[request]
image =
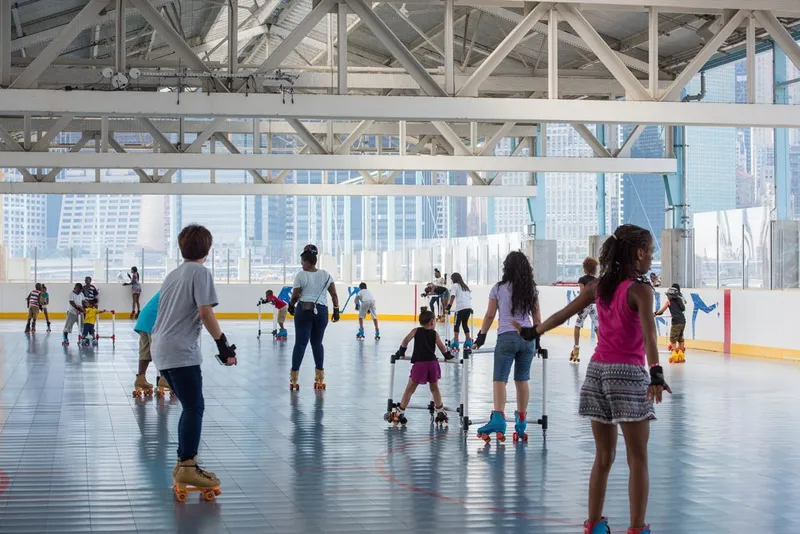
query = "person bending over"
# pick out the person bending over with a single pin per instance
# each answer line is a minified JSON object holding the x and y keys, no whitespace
{"x":365,"y":304}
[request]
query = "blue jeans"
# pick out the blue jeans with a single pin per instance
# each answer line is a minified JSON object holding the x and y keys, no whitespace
{"x":309,"y":326}
{"x":187,"y":384}
{"x":512,"y":349}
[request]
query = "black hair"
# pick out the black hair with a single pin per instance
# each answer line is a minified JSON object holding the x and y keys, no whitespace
{"x":456,"y":278}
{"x":88,"y":278}
{"x":518,"y":272}
{"x":38,"y":287}
{"x":78,"y":286}
{"x":677,"y":286}
{"x":618,"y":259}
{"x":309,"y":254}
{"x":425,"y":317}
{"x":134,"y":269}
{"x":269,"y":293}
{"x":362,"y":285}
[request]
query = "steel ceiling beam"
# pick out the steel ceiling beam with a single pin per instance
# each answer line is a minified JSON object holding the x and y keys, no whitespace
{"x":39,"y":102}
{"x":780,"y":35}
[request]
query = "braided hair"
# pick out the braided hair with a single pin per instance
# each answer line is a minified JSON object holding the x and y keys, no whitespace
{"x":618,"y":258}
{"x":524,"y":295}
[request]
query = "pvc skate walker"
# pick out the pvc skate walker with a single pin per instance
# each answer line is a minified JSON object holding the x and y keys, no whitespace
{"x":395,"y":416}
{"x":97,"y":337}
{"x":497,"y":420}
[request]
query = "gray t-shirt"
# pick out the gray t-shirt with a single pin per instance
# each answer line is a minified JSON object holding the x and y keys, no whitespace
{"x":176,"y":334}
{"x":313,"y":285}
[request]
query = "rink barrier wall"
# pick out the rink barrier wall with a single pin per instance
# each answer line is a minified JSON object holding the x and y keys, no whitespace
{"x":734,"y":321}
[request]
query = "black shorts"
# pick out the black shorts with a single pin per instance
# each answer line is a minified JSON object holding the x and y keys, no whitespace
{"x":462,"y":320}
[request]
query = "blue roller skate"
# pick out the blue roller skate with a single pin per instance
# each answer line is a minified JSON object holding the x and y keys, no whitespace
{"x":283,"y":335}
{"x":496,"y":424}
{"x":94,"y":342}
{"x":65,"y":340}
{"x":360,"y":333}
{"x":454,"y":347}
{"x":377,"y":335}
{"x":468,"y":346}
{"x":597,"y":527}
{"x":520,"y":424}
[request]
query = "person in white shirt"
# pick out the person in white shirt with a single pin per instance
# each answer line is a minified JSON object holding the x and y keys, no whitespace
{"x":461,"y":297}
{"x":74,"y":311}
{"x":365,"y":304}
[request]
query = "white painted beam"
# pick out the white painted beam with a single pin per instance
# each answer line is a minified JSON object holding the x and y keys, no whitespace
{"x":411,"y":108}
{"x":341,"y":48}
{"x":307,"y":137}
{"x":675,"y":6}
{"x":356,"y":134}
{"x":587,"y":135}
{"x":470,"y":88}
{"x":143,"y":176}
{"x":359,"y":190}
{"x":703,"y":56}
{"x":57,"y":128}
{"x":120,"y":36}
{"x":257,"y":176}
{"x":294,"y":38}
{"x":780,"y":35}
{"x":603,"y":52}
{"x":652,"y":45}
{"x":89,"y":160}
{"x":5,"y":43}
{"x":68,"y":34}
{"x":750,"y":58}
{"x":552,"y":56}
{"x":449,"y":49}
{"x":157,"y":136}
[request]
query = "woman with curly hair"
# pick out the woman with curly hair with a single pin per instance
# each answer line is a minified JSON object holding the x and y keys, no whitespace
{"x":516,"y":299}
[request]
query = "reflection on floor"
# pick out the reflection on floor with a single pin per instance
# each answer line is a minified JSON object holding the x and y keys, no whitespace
{"x":79,"y":454}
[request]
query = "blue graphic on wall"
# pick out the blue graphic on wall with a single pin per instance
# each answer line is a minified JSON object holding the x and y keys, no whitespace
{"x":572,"y":294}
{"x":660,"y":320}
{"x":700,"y":306}
{"x":286,"y":295}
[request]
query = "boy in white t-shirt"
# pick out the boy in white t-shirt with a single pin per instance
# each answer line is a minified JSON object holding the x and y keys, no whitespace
{"x":365,"y":304}
{"x":461,"y":297}
{"x":74,"y":311}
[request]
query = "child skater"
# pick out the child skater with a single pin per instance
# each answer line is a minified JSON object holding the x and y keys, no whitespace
{"x":677,"y":306}
{"x":618,"y":389}
{"x":45,"y":303}
{"x":461,"y":297}
{"x":365,"y":304}
{"x":33,"y":302}
{"x":90,"y":313}
{"x":424,"y":367}
{"x":281,"y":308}
{"x":74,"y":311}
{"x":589,"y":270}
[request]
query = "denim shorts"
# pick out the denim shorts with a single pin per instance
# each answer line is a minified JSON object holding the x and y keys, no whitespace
{"x":512,"y":349}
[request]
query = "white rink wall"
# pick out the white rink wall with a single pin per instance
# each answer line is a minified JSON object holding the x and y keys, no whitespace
{"x":753,"y":322}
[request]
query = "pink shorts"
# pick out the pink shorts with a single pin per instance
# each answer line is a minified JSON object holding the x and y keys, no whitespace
{"x":426,"y":372}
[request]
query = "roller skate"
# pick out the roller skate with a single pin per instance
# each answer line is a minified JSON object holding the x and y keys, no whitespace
{"x":520,"y":424}
{"x":94,"y":342}
{"x":640,"y":530}
{"x":377,"y":335}
{"x":142,"y":388}
{"x":162,"y":388}
{"x":360,"y":333}
{"x":319,"y":379}
{"x":189,"y":476}
{"x":441,"y":418}
{"x":673,"y":357}
{"x":496,"y":424}
{"x":669,"y":347}
{"x":680,"y":356}
{"x":575,"y":355}
{"x":48,"y":327}
{"x":454,"y":347}
{"x":596,"y":527}
{"x":293,"y":385}
{"x":283,"y":335}
{"x":468,"y":346}
{"x":396,"y":417}
{"x":65,"y":340}
{"x":274,"y":334}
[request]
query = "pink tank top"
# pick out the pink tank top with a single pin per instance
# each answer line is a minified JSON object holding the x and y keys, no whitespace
{"x":620,"y":338}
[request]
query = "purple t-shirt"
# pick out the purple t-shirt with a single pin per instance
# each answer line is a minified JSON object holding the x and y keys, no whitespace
{"x":502,"y":294}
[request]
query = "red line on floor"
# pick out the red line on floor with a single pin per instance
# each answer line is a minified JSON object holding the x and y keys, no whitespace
{"x":381,"y":459}
{"x":726,"y":314}
{"x":3,"y":482}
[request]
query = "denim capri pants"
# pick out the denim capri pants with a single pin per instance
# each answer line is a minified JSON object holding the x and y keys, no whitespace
{"x":512,"y":349}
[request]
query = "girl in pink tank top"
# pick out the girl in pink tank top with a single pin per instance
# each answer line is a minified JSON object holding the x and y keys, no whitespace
{"x":618,"y":389}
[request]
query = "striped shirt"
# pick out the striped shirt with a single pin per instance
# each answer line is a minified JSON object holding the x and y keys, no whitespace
{"x":33,"y":298}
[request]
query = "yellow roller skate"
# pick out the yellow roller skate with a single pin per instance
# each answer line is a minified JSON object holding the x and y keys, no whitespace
{"x":681,"y":357}
{"x":293,"y":385}
{"x":673,"y":357}
{"x":575,"y":355}
{"x":162,"y":388}
{"x":142,"y":388}
{"x":319,"y":379}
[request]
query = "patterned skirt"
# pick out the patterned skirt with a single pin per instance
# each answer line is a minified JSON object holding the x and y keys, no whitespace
{"x":616,"y":393}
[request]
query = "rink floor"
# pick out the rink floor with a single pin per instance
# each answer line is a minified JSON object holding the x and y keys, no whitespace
{"x":79,"y":454}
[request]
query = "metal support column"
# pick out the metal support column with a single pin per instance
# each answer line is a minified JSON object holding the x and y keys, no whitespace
{"x":537,"y":206}
{"x":342,"y":47}
{"x":782,"y":169}
{"x":449,"y":61}
{"x":120,"y":37}
{"x":233,"y":37}
{"x":5,"y":43}
{"x":601,"y":186}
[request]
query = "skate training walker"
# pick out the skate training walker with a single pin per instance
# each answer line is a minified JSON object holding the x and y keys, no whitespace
{"x":97,"y":337}
{"x":463,"y":408}
{"x":281,"y":335}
